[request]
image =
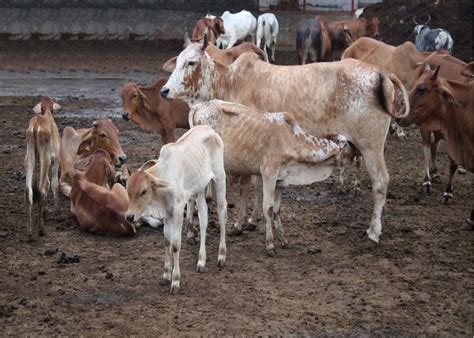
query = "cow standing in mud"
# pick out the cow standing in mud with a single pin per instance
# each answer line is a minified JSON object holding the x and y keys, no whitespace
{"x":349,"y":98}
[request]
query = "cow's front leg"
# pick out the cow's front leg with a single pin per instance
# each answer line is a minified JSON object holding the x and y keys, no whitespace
{"x":269,"y":182}
{"x":427,"y":178}
{"x":166,"y":278}
{"x":175,"y":235}
{"x":448,"y":192}
{"x":202,"y":214}
{"x":434,"y":153}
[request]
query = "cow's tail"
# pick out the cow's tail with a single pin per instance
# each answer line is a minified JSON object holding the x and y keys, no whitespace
{"x":260,"y":53}
{"x":386,"y":95}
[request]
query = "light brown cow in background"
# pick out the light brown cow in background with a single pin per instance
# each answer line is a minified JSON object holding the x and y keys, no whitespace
{"x":270,"y":145}
{"x":360,"y":27}
{"x":42,"y":150}
{"x":80,"y":143}
{"x":98,"y":208}
{"x":145,"y":107}
{"x":211,"y":26}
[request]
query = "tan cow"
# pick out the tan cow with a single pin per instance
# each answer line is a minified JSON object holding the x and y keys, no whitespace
{"x":164,"y":186}
{"x":80,"y":143}
{"x":359,"y":27}
{"x":224,"y":56}
{"x":270,"y":145}
{"x":349,"y":97}
{"x":210,"y":27}
{"x":145,"y":107}
{"x":42,"y":150}
{"x":98,"y":209}
{"x":449,"y":103}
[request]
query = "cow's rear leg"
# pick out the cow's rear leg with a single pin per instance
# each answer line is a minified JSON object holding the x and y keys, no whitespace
{"x":273,"y":47}
{"x":222,"y":214}
{"x":44,"y":184}
{"x":434,"y":153}
{"x":202,"y":214}
{"x":377,"y":170}
{"x":188,"y":227}
{"x":29,"y":171}
{"x":448,"y":192}
{"x":269,"y":183}
{"x":279,"y":233}
{"x":244,"y":195}
{"x":55,"y":180}
{"x":426,"y":141}
{"x":257,"y":205}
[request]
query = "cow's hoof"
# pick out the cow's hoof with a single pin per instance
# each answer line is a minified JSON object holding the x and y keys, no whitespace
{"x":284,"y":243}
{"x":174,"y":289}
{"x":427,"y":188}
{"x":220,"y":263}
{"x":436,"y":178}
{"x":199,"y":268}
{"x":164,"y":281}
{"x":271,"y":252}
{"x":447,"y":199}
{"x":234,"y":232}
{"x":370,"y":245}
{"x":249,"y":227}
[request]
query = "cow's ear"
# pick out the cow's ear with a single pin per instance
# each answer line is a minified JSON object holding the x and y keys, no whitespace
{"x":56,"y":106}
{"x":170,"y":65}
{"x":144,"y":100}
{"x":85,"y":146}
{"x":159,"y":184}
{"x":219,"y":25}
{"x":447,"y":96}
{"x":187,"y":41}
{"x":37,"y":108}
{"x":147,"y":165}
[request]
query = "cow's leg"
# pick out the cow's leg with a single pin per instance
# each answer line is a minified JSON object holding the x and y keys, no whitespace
{"x":434,"y":174}
{"x":29,"y":171}
{"x":232,"y":41}
{"x":188,"y":224}
{"x":375,"y":165}
{"x":244,"y":195}
{"x":426,"y":141}
{"x":279,"y":233}
{"x":202,"y":214}
{"x":209,"y":191}
{"x":269,"y":182}
{"x":166,"y":278}
{"x":45,"y":163}
{"x":257,"y":184}
{"x":448,"y":192}
{"x":55,"y":180}
{"x":222,"y":214}
{"x":273,"y":47}
{"x":175,"y":236}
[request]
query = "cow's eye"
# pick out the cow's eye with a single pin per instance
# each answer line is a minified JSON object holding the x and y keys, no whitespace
{"x":191,"y":63}
{"x":143,"y":193}
{"x":103,"y":135}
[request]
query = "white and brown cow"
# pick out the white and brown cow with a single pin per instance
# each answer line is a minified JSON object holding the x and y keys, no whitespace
{"x":270,"y":145}
{"x":164,"y":186}
{"x":350,"y":98}
{"x":42,"y":150}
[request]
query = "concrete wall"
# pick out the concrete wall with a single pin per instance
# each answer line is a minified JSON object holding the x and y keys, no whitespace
{"x":96,"y":23}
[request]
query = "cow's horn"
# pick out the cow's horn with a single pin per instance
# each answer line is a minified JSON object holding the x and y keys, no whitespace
{"x":429,"y":19}
{"x":94,"y":124}
{"x":414,"y":20}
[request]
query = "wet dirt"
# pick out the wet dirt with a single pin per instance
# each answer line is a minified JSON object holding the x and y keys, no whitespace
{"x":328,"y":281}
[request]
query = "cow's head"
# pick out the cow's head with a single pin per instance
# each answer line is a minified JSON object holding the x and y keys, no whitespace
{"x":429,"y":98}
{"x":46,"y":104}
{"x":144,"y":191}
{"x":103,"y":134}
{"x":373,"y":27}
{"x":419,"y":27}
{"x":133,"y":100}
{"x":193,"y":76}
{"x":96,"y":168}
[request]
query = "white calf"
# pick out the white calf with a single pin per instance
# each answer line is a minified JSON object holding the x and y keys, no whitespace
{"x":164,"y":186}
{"x":237,"y":27}
{"x":267,"y":29}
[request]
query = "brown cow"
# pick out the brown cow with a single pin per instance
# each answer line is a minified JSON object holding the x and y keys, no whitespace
{"x":335,"y":39}
{"x":145,"y":107}
{"x":449,"y":103}
{"x":103,"y":134}
{"x":407,"y":63}
{"x":42,"y":149}
{"x":213,"y":27}
{"x":97,"y":208}
{"x":223,"y":56}
{"x":360,"y":27}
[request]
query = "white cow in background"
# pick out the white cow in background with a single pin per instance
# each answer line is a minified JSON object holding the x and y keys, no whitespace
{"x":267,"y":29}
{"x":237,"y":27}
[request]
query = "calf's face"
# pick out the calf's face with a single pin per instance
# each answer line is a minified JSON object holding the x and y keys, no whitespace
{"x":104,"y":135}
{"x":132,"y":100}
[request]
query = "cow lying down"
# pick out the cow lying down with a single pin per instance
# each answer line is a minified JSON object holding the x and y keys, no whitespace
{"x":98,"y":208}
{"x":273,"y":146}
{"x":164,"y":186}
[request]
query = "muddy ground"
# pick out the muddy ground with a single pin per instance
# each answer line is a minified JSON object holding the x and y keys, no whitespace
{"x":329,"y":281}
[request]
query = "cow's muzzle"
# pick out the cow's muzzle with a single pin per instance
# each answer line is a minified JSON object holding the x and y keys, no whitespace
{"x":164,"y":92}
{"x":130,"y":217}
{"x":125,"y":116}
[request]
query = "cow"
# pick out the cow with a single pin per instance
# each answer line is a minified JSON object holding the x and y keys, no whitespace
{"x":145,"y":107}
{"x":224,"y":56}
{"x":430,"y":40}
{"x":237,"y":27}
{"x":184,"y":169}
{"x":360,"y":27}
{"x":407,"y":63}
{"x":267,"y":31}
{"x":98,"y":208}
{"x":42,"y":150}
{"x":349,"y":98}
{"x":80,"y":143}
{"x":436,"y":99}
{"x":212,"y":26}
{"x":335,"y":39}
{"x":310,"y":46}
{"x":270,"y":145}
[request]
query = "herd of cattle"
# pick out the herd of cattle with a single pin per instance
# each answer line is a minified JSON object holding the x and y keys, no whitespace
{"x":271,"y":125}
